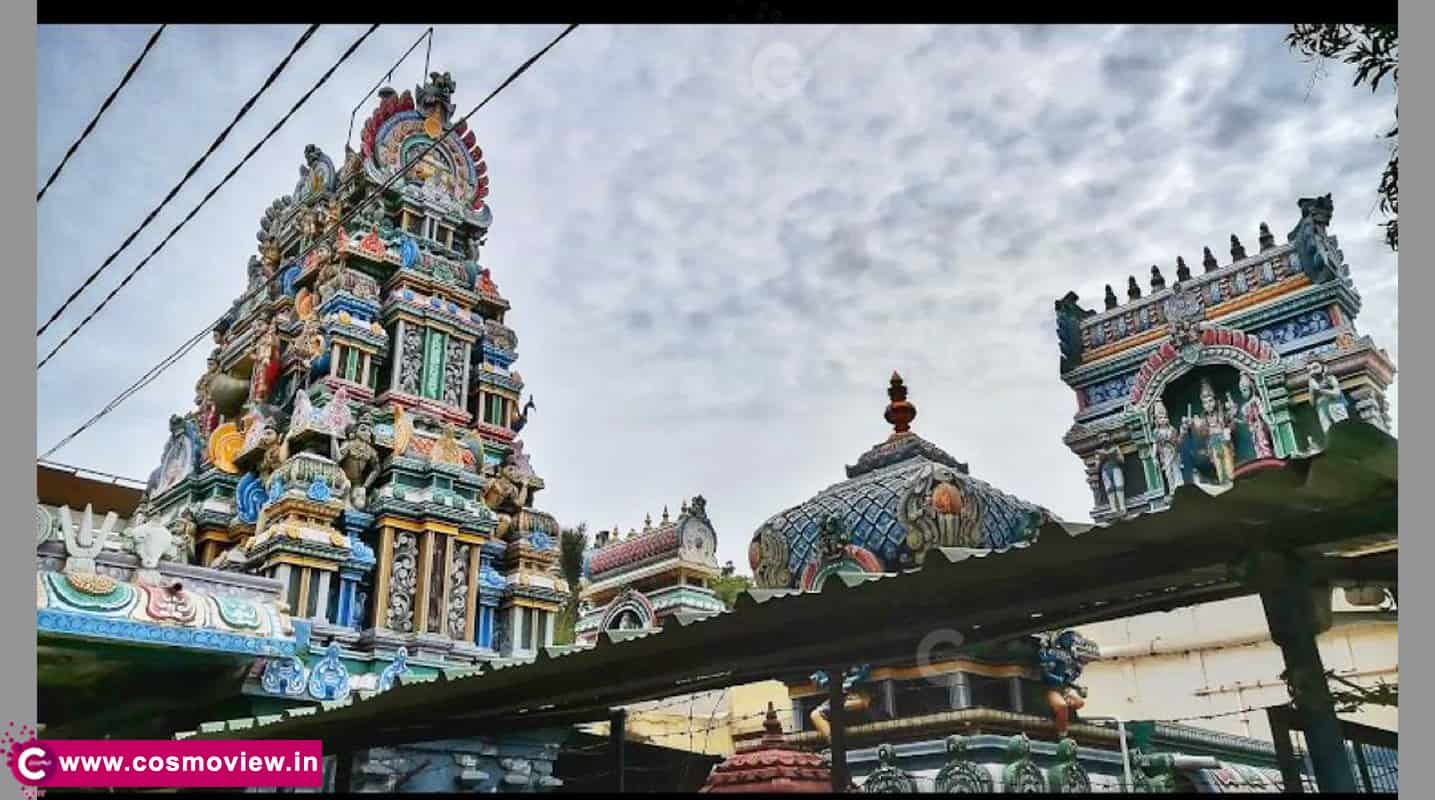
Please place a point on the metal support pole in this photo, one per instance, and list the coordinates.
(836, 701)
(616, 736)
(1125, 756)
(1295, 610)
(1285, 754)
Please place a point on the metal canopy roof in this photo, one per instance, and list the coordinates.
(1333, 503)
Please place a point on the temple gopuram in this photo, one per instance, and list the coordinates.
(635, 582)
(1235, 369)
(347, 504)
(356, 434)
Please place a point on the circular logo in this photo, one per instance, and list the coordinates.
(778, 72)
(31, 763)
(927, 660)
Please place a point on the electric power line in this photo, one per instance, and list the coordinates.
(183, 349)
(428, 34)
(84, 134)
(218, 140)
(255, 149)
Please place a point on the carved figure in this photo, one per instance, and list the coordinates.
(266, 363)
(1061, 666)
(403, 580)
(1213, 433)
(1257, 421)
(522, 419)
(1109, 462)
(151, 542)
(1319, 254)
(1326, 396)
(507, 491)
(855, 701)
(411, 360)
(359, 460)
(1167, 441)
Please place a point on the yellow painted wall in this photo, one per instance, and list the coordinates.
(705, 722)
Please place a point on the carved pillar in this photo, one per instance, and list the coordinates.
(352, 573)
(397, 354)
(321, 603)
(1277, 397)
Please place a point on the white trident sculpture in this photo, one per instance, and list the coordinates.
(83, 543)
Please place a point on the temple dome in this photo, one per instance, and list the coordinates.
(903, 497)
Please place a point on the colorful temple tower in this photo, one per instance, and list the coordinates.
(639, 581)
(355, 436)
(1231, 370)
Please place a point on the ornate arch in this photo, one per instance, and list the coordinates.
(1212, 345)
(855, 559)
(629, 600)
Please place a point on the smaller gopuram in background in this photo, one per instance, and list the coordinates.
(1233, 368)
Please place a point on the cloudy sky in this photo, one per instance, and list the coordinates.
(719, 242)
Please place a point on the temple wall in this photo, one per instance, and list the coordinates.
(517, 763)
(1218, 658)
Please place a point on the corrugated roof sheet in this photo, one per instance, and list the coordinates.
(1074, 574)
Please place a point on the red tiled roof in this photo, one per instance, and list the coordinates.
(639, 548)
(774, 768)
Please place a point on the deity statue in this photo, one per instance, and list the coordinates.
(1061, 666)
(266, 363)
(1168, 448)
(183, 530)
(181, 455)
(1213, 432)
(269, 256)
(1258, 422)
(274, 452)
(507, 490)
(310, 344)
(1326, 396)
(359, 459)
(855, 701)
(208, 414)
(1109, 462)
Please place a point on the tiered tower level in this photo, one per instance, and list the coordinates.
(639, 581)
(1233, 369)
(355, 434)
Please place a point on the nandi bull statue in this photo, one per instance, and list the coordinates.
(153, 542)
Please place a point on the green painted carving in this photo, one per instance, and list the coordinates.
(94, 592)
(433, 365)
(237, 613)
(1021, 776)
(1068, 776)
(889, 778)
(1154, 773)
(960, 775)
